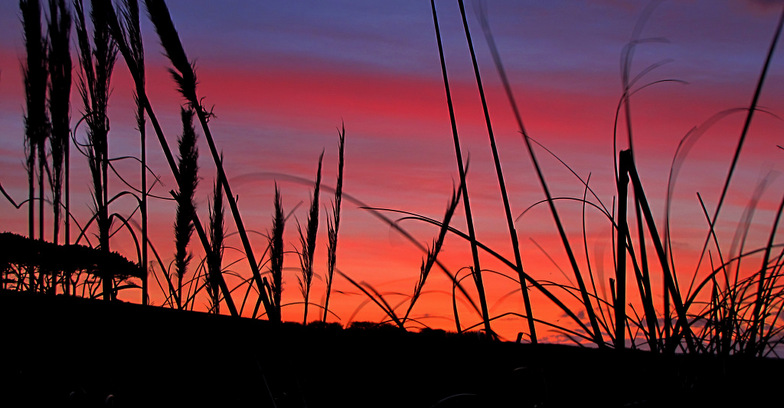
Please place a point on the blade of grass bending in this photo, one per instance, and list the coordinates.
(377, 299)
(501, 183)
(499, 257)
(186, 79)
(597, 335)
(744, 132)
(135, 73)
(432, 253)
(477, 270)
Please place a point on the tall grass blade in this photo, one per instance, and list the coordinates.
(746, 125)
(620, 270)
(597, 335)
(132, 36)
(501, 182)
(477, 270)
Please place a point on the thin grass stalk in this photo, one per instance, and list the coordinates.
(186, 80)
(135, 71)
(477, 270)
(333, 223)
(133, 37)
(597, 335)
(187, 183)
(501, 182)
(308, 242)
(746, 125)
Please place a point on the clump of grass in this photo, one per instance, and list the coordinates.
(185, 76)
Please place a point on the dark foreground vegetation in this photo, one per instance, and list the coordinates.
(68, 351)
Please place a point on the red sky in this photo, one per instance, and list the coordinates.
(283, 77)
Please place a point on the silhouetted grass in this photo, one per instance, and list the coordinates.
(308, 243)
(740, 315)
(333, 223)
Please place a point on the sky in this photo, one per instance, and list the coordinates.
(284, 77)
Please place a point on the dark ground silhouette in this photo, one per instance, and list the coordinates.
(61, 351)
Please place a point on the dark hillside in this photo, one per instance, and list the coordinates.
(62, 351)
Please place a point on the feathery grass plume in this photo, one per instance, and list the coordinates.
(276, 256)
(186, 80)
(137, 73)
(97, 63)
(215, 254)
(333, 222)
(132, 36)
(59, 101)
(477, 269)
(308, 242)
(433, 251)
(187, 183)
(36, 122)
(501, 182)
(585, 297)
(36, 76)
